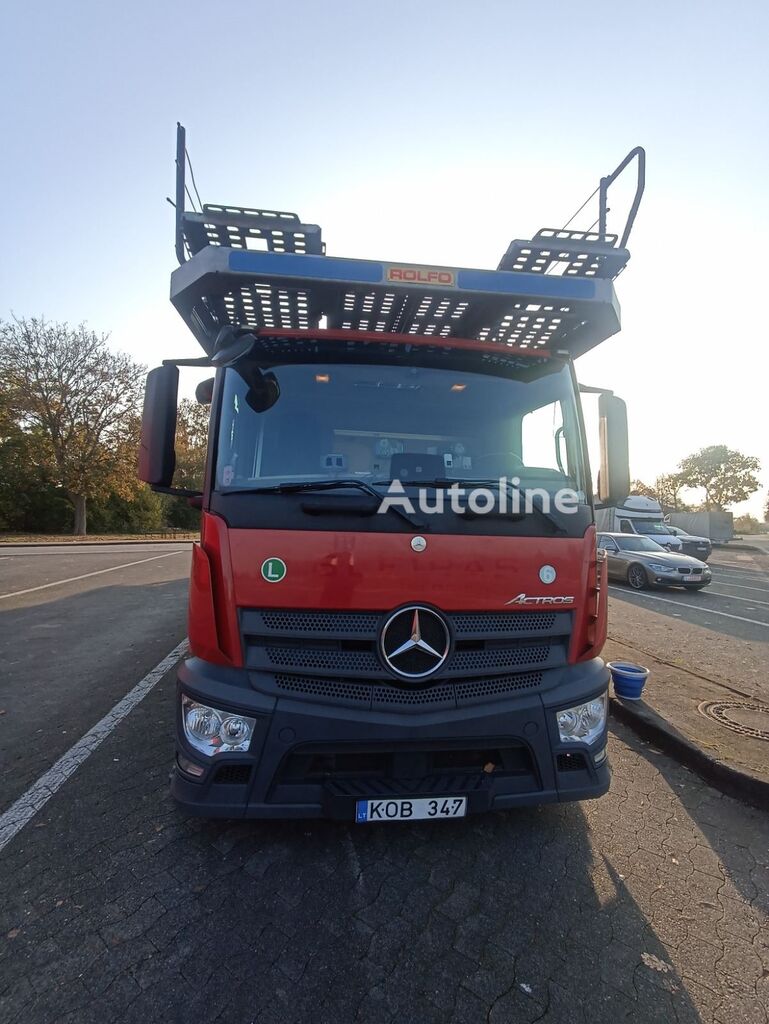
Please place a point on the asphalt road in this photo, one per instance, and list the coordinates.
(78, 628)
(650, 904)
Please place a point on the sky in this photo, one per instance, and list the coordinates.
(432, 132)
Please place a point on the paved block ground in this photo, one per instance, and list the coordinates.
(650, 904)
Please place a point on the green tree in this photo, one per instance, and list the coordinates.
(766, 509)
(74, 400)
(665, 489)
(191, 446)
(747, 524)
(668, 487)
(638, 487)
(726, 476)
(143, 512)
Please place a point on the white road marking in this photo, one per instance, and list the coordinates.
(85, 575)
(697, 607)
(736, 574)
(733, 597)
(26, 807)
(739, 586)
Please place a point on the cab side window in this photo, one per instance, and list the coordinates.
(625, 526)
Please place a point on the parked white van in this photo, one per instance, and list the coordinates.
(639, 515)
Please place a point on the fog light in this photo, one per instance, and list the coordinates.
(582, 723)
(600, 756)
(213, 731)
(235, 730)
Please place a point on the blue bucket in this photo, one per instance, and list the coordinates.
(628, 679)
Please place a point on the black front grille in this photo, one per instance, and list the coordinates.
(349, 690)
(333, 657)
(571, 763)
(343, 646)
(361, 693)
(306, 623)
(441, 693)
(338, 661)
(495, 658)
(233, 774)
(504, 623)
(689, 572)
(479, 689)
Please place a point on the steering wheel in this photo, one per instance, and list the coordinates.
(516, 459)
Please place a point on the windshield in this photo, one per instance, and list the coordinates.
(377, 423)
(639, 544)
(651, 526)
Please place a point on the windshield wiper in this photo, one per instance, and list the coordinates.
(330, 485)
(445, 483)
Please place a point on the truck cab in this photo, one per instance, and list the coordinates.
(397, 606)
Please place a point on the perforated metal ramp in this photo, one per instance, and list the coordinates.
(240, 227)
(221, 285)
(568, 253)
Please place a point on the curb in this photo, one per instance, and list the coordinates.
(732, 782)
(86, 543)
(731, 546)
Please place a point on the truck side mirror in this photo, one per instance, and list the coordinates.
(157, 455)
(614, 477)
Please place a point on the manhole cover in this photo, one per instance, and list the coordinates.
(739, 716)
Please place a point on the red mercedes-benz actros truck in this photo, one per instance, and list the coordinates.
(396, 605)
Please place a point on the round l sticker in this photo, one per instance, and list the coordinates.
(273, 569)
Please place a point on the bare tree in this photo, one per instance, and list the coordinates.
(68, 390)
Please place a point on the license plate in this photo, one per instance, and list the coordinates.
(692, 579)
(410, 809)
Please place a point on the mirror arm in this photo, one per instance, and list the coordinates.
(177, 492)
(202, 361)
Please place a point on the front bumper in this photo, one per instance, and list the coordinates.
(312, 759)
(701, 551)
(669, 581)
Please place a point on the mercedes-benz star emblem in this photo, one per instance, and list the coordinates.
(415, 642)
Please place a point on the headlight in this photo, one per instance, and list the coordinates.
(656, 567)
(584, 722)
(212, 731)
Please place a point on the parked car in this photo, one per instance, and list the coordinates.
(697, 547)
(642, 562)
